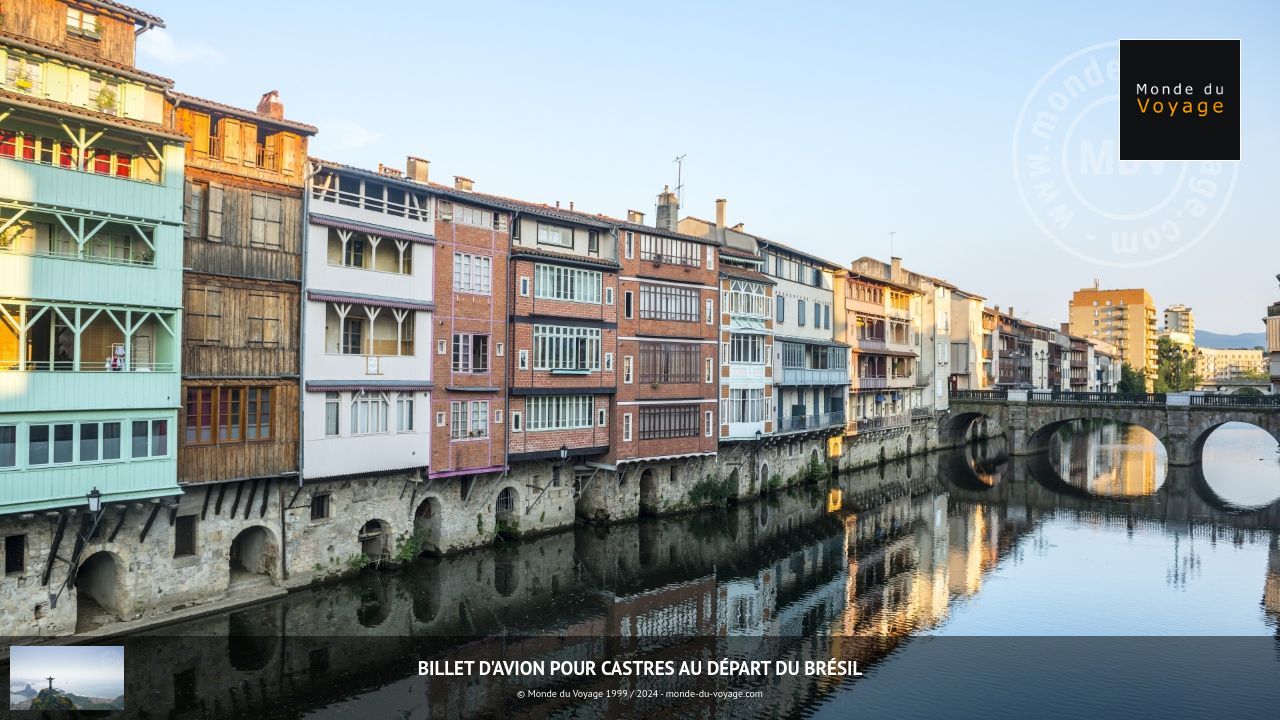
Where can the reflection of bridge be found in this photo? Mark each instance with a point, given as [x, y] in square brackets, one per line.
[1184, 499]
[1181, 422]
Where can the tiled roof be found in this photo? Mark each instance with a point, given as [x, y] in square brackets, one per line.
[637, 227]
[767, 243]
[602, 262]
[232, 110]
[146, 18]
[41, 104]
[745, 274]
[369, 300]
[542, 209]
[738, 252]
[357, 385]
[45, 48]
[369, 229]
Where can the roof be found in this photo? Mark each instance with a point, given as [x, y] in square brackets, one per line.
[357, 385]
[369, 300]
[518, 250]
[881, 281]
[134, 14]
[767, 243]
[369, 229]
[738, 252]
[745, 274]
[403, 182]
[540, 209]
[28, 101]
[651, 230]
[810, 341]
[45, 48]
[232, 110]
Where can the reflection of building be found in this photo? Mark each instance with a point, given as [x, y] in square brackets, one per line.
[1124, 318]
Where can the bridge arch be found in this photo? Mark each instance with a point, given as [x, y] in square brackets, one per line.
[1200, 432]
[957, 427]
[1043, 422]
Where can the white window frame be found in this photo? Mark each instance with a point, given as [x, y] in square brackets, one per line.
[559, 348]
[517, 424]
[628, 368]
[626, 427]
[468, 420]
[370, 413]
[709, 422]
[559, 412]
[404, 412]
[472, 274]
[556, 282]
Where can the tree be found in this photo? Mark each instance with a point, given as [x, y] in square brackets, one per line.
[1132, 380]
[1176, 367]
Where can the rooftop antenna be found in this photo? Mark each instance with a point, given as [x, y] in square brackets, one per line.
[679, 161]
[891, 234]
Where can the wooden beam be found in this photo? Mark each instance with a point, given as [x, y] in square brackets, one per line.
[236, 505]
[53, 547]
[204, 511]
[295, 497]
[124, 512]
[173, 515]
[266, 495]
[146, 528]
[79, 547]
[222, 491]
[248, 503]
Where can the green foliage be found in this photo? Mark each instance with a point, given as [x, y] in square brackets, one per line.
[773, 483]
[1176, 365]
[712, 490]
[507, 527]
[409, 546]
[816, 471]
[1132, 380]
[358, 561]
[1254, 375]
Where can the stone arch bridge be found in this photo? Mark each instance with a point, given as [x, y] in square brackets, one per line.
[1181, 422]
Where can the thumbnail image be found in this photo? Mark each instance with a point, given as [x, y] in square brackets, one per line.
[66, 678]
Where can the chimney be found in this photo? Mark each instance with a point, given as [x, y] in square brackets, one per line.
[462, 183]
[668, 210]
[417, 168]
[271, 106]
[1097, 284]
[721, 211]
[635, 216]
[895, 269]
[570, 206]
[737, 228]
[1012, 314]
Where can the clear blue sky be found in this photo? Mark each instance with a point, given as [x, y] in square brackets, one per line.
[826, 126]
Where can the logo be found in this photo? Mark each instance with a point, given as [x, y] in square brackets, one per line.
[1087, 198]
[1180, 99]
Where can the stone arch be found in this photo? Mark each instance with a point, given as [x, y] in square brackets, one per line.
[1043, 423]
[763, 475]
[254, 553]
[506, 577]
[506, 510]
[253, 634]
[1199, 434]
[375, 540]
[954, 430]
[649, 492]
[428, 520]
[101, 596]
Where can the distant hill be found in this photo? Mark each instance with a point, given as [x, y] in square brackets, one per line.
[1204, 338]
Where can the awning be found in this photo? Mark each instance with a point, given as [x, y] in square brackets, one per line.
[749, 326]
[369, 300]
[890, 353]
[369, 229]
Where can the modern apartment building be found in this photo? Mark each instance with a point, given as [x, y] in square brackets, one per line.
[1231, 363]
[1180, 319]
[1124, 318]
[243, 230]
[91, 257]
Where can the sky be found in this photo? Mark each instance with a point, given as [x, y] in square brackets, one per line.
[83, 670]
[825, 126]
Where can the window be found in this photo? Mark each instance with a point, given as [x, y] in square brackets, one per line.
[517, 422]
[230, 414]
[353, 252]
[184, 536]
[472, 273]
[523, 360]
[626, 368]
[826, 317]
[559, 412]
[662, 302]
[782, 309]
[602, 417]
[257, 424]
[38, 445]
[746, 349]
[470, 353]
[668, 421]
[800, 313]
[469, 419]
[264, 221]
[792, 355]
[473, 216]
[608, 361]
[626, 305]
[81, 23]
[745, 298]
[204, 315]
[745, 405]
[15, 554]
[440, 419]
[111, 441]
[404, 412]
[199, 430]
[369, 414]
[352, 335]
[8, 446]
[197, 201]
[709, 370]
[608, 296]
[320, 506]
[669, 362]
[554, 235]
[553, 282]
[669, 250]
[150, 438]
[524, 287]
[626, 427]
[332, 406]
[629, 249]
[561, 348]
[593, 242]
[264, 320]
[708, 423]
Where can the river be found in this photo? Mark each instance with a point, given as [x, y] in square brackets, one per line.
[1093, 581]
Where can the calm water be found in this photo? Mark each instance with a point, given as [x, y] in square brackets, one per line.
[1091, 581]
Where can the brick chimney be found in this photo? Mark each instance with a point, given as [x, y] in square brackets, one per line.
[721, 211]
[895, 269]
[635, 216]
[462, 183]
[668, 210]
[417, 169]
[271, 106]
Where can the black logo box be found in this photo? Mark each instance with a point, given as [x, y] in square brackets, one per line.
[1187, 69]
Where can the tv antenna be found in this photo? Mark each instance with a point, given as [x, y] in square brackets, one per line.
[891, 234]
[679, 161]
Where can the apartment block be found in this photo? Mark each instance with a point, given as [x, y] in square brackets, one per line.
[1124, 318]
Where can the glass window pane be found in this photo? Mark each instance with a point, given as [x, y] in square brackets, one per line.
[111, 441]
[38, 444]
[88, 442]
[140, 438]
[8, 445]
[62, 442]
[159, 438]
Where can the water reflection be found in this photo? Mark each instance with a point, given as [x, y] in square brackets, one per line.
[1242, 465]
[1109, 459]
[968, 542]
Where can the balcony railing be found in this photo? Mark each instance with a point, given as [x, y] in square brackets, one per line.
[886, 422]
[815, 376]
[105, 366]
[979, 394]
[798, 423]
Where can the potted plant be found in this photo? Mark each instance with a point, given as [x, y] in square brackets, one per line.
[106, 99]
[24, 81]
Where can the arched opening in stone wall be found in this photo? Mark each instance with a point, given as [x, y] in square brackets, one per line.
[253, 557]
[374, 537]
[1241, 464]
[505, 512]
[648, 492]
[99, 591]
[426, 522]
[763, 478]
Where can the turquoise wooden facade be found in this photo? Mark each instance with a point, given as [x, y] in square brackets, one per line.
[90, 306]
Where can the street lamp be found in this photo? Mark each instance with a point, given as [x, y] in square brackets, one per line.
[94, 497]
[95, 501]
[564, 453]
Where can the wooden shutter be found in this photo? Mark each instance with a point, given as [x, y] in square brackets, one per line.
[214, 230]
[288, 153]
[229, 131]
[258, 220]
[249, 146]
[198, 129]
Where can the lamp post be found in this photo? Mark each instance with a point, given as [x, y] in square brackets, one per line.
[95, 508]
[564, 455]
[1043, 356]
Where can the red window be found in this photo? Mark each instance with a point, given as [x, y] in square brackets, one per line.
[28, 148]
[65, 155]
[8, 144]
[102, 162]
[124, 165]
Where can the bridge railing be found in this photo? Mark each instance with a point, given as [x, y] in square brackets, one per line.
[979, 394]
[1098, 398]
[1263, 401]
